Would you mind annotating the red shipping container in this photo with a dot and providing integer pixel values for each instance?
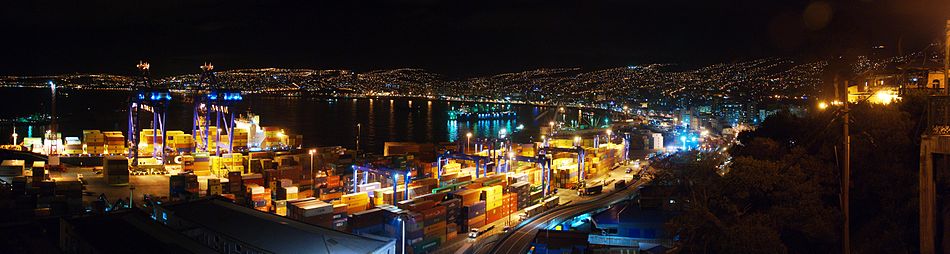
(434, 214)
(492, 215)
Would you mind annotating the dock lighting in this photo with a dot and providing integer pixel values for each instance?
(577, 140)
(885, 97)
(142, 65)
(502, 132)
(313, 151)
(822, 105)
(468, 138)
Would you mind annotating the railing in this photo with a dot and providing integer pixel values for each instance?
(938, 115)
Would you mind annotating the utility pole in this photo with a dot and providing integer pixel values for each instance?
(946, 58)
(846, 173)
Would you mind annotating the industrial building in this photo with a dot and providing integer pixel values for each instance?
(226, 227)
(123, 231)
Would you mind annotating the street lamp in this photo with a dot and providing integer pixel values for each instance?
(402, 226)
(359, 129)
(511, 158)
(312, 182)
(577, 140)
(468, 137)
(14, 135)
(609, 132)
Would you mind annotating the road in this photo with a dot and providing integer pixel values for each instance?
(463, 244)
(520, 238)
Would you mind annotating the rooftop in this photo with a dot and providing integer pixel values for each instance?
(271, 232)
(132, 231)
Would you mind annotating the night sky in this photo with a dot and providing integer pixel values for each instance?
(455, 38)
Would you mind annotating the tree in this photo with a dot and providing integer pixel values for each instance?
(781, 194)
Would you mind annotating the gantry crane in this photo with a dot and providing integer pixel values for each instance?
(152, 99)
(388, 173)
(217, 106)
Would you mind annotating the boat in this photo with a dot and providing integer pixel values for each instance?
(482, 112)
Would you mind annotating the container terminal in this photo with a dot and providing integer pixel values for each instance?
(413, 198)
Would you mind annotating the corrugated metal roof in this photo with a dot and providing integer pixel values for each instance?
(271, 232)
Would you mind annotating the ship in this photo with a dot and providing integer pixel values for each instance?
(482, 112)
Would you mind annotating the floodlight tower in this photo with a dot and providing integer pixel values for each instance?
(152, 99)
(217, 100)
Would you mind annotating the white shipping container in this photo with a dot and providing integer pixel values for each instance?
(369, 188)
(314, 208)
(257, 189)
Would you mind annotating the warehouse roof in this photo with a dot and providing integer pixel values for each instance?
(131, 231)
(271, 232)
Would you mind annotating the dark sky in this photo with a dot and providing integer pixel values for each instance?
(458, 38)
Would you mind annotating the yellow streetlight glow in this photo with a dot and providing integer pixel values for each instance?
(822, 105)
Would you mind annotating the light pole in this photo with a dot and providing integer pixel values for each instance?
(312, 182)
(846, 171)
(131, 195)
(14, 135)
(402, 226)
(609, 132)
(511, 158)
(468, 143)
(358, 132)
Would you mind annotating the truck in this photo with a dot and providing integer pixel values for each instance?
(480, 231)
(531, 211)
(620, 185)
(592, 190)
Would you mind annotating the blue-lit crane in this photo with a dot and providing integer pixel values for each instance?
(152, 99)
(581, 153)
(543, 162)
(388, 173)
(220, 102)
(478, 159)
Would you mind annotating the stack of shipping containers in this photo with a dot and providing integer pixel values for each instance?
(257, 197)
(73, 146)
(95, 142)
(114, 142)
(151, 139)
(115, 169)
